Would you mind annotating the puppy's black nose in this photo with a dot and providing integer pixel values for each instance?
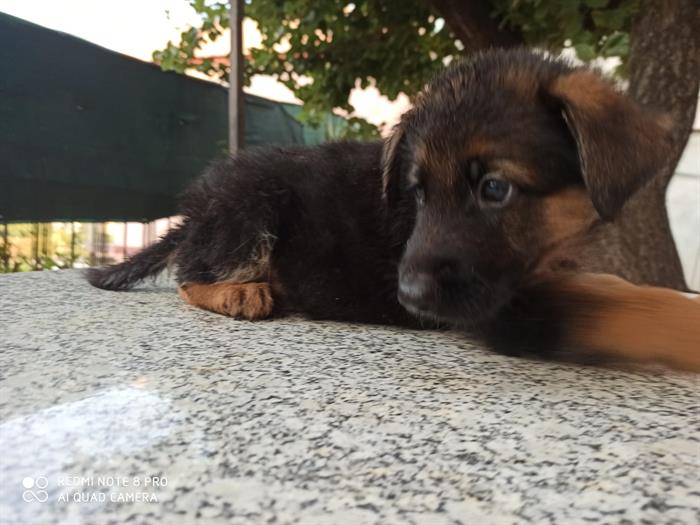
(417, 291)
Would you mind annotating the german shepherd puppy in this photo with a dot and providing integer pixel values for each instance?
(470, 215)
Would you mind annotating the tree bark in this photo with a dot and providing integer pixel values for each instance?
(664, 65)
(472, 23)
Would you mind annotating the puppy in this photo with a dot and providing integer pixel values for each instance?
(471, 215)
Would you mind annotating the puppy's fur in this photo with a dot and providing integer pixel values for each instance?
(414, 230)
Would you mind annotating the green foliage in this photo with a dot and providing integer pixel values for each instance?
(54, 250)
(322, 49)
(394, 45)
(358, 128)
(180, 56)
(594, 28)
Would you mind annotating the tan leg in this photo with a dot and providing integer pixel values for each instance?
(246, 300)
(616, 318)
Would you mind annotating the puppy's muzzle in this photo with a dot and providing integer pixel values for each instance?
(453, 291)
(417, 292)
(428, 287)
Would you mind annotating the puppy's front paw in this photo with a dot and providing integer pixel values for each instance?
(245, 300)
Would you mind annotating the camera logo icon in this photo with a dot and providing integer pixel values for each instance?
(35, 489)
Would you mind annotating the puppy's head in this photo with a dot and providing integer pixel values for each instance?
(501, 159)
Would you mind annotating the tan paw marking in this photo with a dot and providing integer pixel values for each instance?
(246, 300)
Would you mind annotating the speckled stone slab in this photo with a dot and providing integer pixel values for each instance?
(136, 408)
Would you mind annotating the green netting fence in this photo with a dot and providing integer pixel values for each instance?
(87, 134)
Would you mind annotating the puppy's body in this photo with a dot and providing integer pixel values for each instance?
(468, 214)
(308, 221)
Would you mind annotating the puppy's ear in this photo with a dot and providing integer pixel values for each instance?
(391, 165)
(620, 145)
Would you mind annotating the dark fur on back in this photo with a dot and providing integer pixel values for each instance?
(338, 231)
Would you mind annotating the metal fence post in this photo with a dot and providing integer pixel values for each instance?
(236, 133)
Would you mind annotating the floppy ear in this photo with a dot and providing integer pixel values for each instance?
(621, 146)
(391, 165)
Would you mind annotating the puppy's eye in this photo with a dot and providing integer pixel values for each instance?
(495, 191)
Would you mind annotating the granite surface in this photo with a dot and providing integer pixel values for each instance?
(136, 408)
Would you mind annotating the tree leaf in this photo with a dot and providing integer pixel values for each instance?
(585, 52)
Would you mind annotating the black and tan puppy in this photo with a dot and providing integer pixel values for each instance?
(471, 214)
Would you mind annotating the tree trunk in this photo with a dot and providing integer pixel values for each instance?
(472, 23)
(664, 66)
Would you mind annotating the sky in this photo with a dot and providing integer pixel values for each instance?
(138, 27)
